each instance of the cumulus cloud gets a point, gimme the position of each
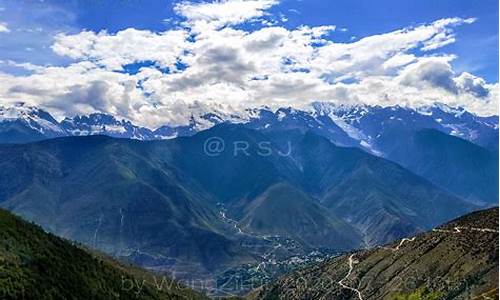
(469, 83)
(214, 64)
(367, 56)
(434, 72)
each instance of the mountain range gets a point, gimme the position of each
(407, 136)
(158, 203)
(285, 183)
(371, 127)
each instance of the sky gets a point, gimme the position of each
(155, 62)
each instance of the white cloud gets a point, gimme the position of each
(432, 72)
(469, 83)
(438, 41)
(4, 28)
(368, 55)
(398, 60)
(446, 35)
(227, 68)
(25, 66)
(217, 14)
(126, 47)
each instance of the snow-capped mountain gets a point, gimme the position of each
(290, 118)
(372, 128)
(99, 123)
(378, 127)
(199, 121)
(21, 123)
(463, 124)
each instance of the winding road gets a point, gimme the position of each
(457, 229)
(231, 221)
(266, 256)
(351, 262)
(399, 245)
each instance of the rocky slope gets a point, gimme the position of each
(458, 260)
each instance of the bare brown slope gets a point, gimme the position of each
(453, 261)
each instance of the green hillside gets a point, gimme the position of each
(435, 155)
(118, 196)
(380, 198)
(312, 224)
(38, 265)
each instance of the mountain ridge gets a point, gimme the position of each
(388, 132)
(456, 260)
(337, 117)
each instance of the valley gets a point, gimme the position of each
(228, 223)
(249, 150)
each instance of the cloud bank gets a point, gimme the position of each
(209, 60)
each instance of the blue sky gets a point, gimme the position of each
(37, 35)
